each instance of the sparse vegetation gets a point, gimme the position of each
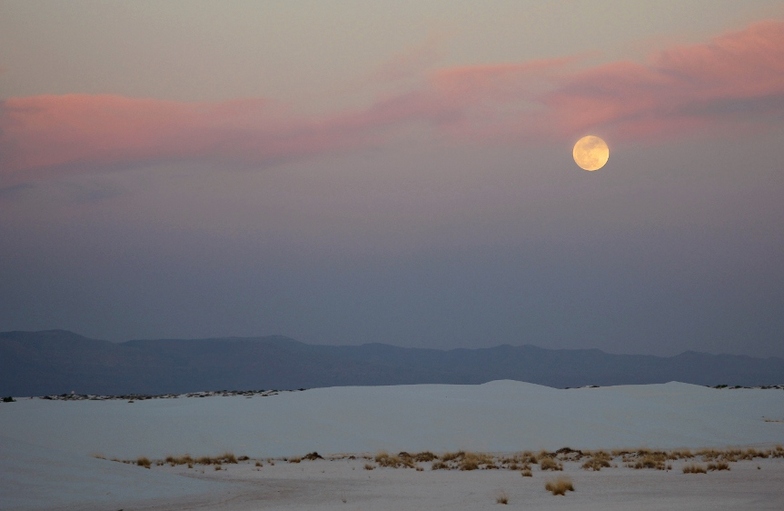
(645, 458)
(597, 461)
(384, 459)
(502, 498)
(719, 465)
(547, 463)
(424, 457)
(693, 468)
(559, 486)
(699, 461)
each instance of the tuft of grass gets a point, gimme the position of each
(258, 464)
(502, 498)
(648, 459)
(179, 460)
(719, 465)
(143, 461)
(425, 456)
(384, 459)
(693, 468)
(474, 461)
(368, 466)
(559, 486)
(526, 473)
(597, 461)
(439, 465)
(547, 463)
(449, 456)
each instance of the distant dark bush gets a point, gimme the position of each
(9, 399)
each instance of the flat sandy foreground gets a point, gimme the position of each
(48, 449)
(347, 485)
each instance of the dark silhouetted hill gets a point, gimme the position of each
(58, 361)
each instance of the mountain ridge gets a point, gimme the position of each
(60, 361)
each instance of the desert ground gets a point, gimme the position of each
(399, 447)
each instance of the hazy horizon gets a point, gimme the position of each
(353, 172)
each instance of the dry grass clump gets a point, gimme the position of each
(645, 458)
(474, 461)
(693, 468)
(424, 457)
(368, 466)
(226, 457)
(502, 498)
(547, 463)
(559, 486)
(143, 461)
(569, 454)
(450, 456)
(719, 465)
(384, 459)
(526, 473)
(597, 461)
(462, 460)
(529, 458)
(179, 460)
(680, 454)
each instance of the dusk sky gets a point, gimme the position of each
(347, 172)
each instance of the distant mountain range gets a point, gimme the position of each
(58, 361)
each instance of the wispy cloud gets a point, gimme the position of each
(414, 61)
(736, 78)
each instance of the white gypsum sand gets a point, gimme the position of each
(496, 417)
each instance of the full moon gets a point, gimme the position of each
(591, 153)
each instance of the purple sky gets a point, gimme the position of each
(348, 172)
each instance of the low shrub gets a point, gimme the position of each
(719, 465)
(693, 468)
(547, 463)
(559, 486)
(425, 456)
(596, 463)
(385, 459)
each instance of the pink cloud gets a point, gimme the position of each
(42, 136)
(735, 79)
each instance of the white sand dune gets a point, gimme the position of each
(46, 445)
